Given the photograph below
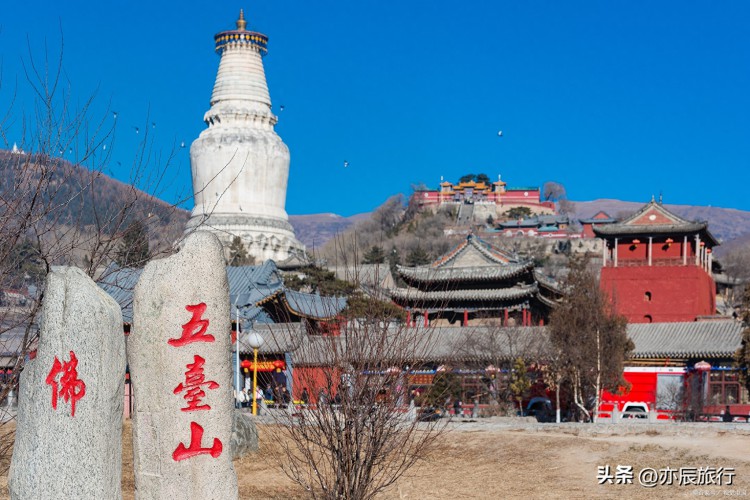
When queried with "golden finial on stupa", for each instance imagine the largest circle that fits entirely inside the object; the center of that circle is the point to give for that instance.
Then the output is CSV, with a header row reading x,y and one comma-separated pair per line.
x,y
241,23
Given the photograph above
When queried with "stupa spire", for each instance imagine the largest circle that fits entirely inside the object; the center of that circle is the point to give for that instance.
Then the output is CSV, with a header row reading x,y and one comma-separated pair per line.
x,y
241,23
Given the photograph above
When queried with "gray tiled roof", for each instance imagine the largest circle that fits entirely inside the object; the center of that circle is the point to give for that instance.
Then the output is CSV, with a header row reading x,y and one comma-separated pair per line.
x,y
615,229
486,252
538,220
371,275
629,226
514,292
249,286
709,339
314,306
119,283
473,273
717,339
277,337
431,344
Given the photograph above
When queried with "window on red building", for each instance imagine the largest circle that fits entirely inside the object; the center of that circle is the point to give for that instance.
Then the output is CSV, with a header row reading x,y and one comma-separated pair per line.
x,y
724,388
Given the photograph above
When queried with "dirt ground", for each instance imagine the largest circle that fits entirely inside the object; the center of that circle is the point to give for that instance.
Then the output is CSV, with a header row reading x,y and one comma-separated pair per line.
x,y
494,459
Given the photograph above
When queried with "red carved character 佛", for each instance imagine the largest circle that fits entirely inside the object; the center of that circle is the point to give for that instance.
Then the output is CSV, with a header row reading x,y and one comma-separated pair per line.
x,y
195,381
195,329
196,436
69,387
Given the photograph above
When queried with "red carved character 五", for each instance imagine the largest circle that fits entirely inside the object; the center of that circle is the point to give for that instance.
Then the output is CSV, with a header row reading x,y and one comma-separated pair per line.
x,y
69,387
195,329
196,436
195,380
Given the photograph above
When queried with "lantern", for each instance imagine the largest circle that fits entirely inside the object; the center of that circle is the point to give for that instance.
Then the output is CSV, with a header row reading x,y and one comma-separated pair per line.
x,y
702,366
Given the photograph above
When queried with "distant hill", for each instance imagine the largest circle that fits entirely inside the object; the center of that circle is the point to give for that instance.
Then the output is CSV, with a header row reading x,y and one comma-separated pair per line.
x,y
166,222
316,229
72,196
728,225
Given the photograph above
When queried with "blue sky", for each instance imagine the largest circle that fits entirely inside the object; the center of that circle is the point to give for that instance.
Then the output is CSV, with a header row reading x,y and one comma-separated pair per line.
x,y
612,99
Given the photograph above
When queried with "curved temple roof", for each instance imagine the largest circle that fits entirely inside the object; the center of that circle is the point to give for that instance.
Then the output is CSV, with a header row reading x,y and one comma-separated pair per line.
x,y
653,218
249,288
516,292
472,273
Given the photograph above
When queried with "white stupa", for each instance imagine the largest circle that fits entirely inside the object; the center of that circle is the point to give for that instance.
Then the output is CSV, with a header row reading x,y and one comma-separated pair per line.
x,y
240,165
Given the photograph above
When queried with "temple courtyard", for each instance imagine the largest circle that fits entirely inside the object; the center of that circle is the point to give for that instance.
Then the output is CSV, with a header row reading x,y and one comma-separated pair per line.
x,y
514,458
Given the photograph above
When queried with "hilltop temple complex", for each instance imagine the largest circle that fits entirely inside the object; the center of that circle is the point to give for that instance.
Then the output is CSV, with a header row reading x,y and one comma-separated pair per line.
x,y
240,166
494,198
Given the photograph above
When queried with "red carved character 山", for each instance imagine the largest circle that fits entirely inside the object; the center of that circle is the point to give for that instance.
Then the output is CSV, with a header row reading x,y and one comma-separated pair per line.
x,y
195,379
196,436
69,387
195,329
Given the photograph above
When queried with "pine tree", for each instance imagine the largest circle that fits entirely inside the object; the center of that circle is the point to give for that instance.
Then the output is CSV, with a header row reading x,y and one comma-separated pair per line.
x,y
444,385
375,255
238,254
134,249
417,257
483,178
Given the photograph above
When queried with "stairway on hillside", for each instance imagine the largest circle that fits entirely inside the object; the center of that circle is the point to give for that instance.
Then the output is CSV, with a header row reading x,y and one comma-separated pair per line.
x,y
465,214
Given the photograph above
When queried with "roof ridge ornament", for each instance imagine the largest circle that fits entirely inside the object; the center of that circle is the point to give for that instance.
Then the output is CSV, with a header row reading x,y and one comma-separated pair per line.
x,y
241,23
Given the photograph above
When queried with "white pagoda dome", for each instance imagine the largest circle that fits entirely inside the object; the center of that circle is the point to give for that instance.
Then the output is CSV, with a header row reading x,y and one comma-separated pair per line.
x,y
240,166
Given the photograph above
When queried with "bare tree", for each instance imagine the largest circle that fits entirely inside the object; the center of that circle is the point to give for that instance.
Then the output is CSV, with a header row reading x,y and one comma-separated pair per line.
x,y
361,432
57,206
553,191
736,266
591,338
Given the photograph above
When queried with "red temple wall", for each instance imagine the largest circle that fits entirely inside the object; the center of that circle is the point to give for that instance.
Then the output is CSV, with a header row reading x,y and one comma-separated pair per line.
x,y
661,250
677,293
314,378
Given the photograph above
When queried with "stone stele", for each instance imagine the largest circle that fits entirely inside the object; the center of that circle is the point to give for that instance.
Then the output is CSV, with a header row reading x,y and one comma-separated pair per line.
x,y
179,353
69,433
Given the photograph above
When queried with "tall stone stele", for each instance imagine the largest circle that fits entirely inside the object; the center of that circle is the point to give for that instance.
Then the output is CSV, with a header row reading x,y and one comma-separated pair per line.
x,y
69,431
240,165
179,353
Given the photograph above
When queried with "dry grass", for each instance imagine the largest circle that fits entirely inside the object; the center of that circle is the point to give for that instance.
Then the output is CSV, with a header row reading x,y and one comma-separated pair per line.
x,y
519,463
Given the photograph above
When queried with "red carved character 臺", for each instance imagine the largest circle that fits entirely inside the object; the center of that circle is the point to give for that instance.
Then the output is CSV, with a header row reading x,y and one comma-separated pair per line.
x,y
196,436
195,379
195,329
69,387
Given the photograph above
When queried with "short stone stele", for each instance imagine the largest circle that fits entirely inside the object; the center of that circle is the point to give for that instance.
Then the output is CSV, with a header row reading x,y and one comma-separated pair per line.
x,y
179,352
69,434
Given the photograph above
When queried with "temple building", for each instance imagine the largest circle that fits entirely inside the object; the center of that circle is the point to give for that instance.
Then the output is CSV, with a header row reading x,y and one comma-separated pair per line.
x,y
257,294
657,266
474,284
240,166
544,226
489,198
601,217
